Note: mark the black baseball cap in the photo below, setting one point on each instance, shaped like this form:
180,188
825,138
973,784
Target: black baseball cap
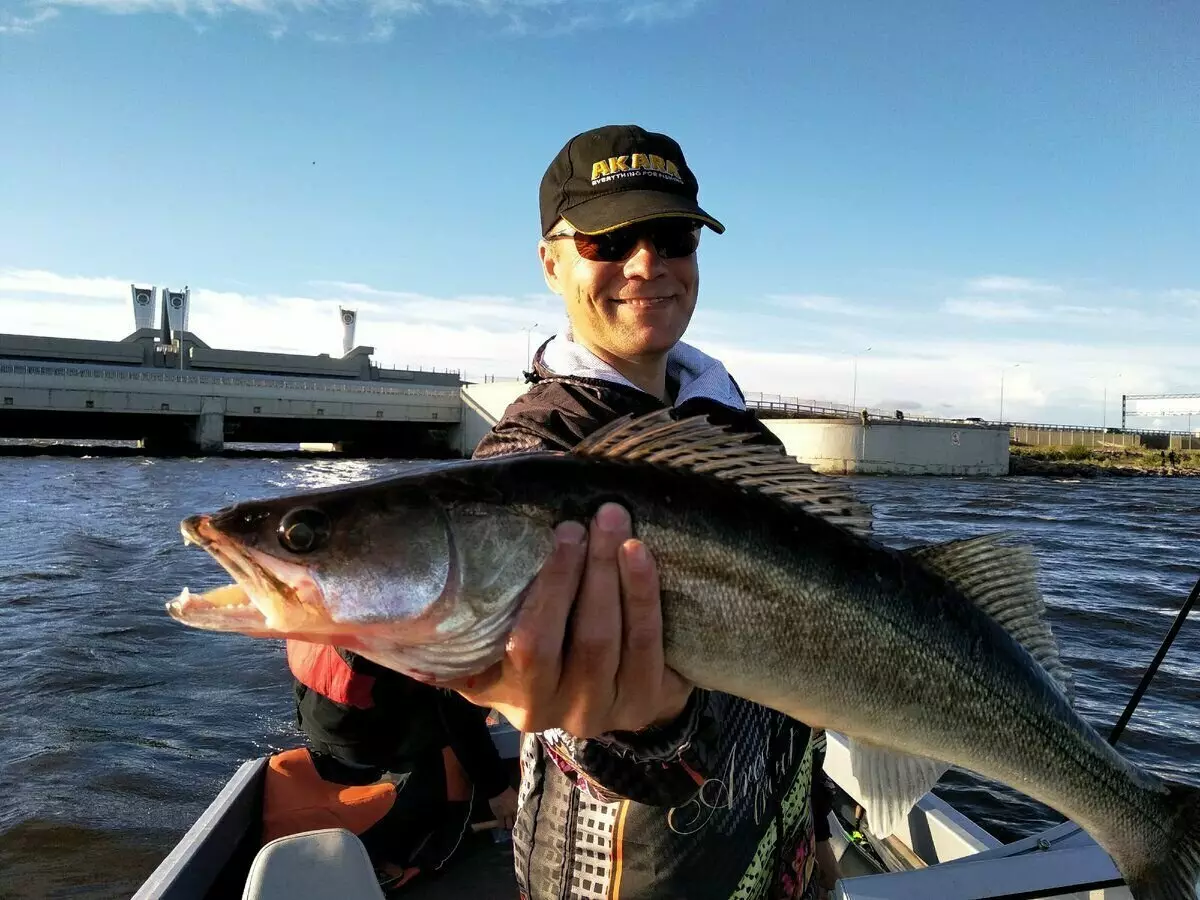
616,175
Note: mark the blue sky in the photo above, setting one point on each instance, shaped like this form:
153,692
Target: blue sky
965,188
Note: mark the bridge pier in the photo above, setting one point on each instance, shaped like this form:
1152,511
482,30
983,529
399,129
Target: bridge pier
187,436
209,432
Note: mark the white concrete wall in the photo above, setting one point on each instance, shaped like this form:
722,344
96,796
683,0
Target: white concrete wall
894,447
482,407
69,387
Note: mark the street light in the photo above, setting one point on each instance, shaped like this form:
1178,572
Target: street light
854,391
1004,369
1104,411
527,350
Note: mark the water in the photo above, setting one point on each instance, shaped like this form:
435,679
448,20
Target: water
118,725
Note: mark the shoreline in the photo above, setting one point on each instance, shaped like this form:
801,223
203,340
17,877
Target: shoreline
1060,463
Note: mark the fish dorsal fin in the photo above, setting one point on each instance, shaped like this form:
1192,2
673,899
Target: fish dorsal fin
1002,581
696,445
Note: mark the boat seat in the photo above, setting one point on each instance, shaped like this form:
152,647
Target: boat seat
329,862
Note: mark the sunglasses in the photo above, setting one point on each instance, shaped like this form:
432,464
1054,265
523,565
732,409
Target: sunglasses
672,239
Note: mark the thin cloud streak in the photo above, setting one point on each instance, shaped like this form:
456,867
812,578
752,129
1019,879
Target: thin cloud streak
37,281
377,20
14,24
992,310
1009,284
823,304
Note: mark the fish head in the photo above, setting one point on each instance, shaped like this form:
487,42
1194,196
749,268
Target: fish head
424,584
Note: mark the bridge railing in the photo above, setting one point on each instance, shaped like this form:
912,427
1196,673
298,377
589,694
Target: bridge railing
1093,428
780,403
818,408
189,377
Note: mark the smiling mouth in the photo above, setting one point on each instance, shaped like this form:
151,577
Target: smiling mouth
644,302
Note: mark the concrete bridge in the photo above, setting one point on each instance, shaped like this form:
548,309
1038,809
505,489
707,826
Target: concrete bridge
198,399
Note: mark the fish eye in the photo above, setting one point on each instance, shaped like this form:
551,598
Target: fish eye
304,530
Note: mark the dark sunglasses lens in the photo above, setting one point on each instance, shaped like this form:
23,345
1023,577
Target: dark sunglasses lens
675,241
611,247
671,241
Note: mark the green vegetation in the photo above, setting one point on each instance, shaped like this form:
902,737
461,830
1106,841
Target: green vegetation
1081,460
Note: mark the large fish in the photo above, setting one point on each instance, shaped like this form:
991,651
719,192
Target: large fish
769,575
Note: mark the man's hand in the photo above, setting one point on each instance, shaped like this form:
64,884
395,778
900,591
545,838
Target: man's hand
504,808
586,654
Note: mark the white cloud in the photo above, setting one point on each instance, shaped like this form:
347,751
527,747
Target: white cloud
821,303
659,10
36,281
405,328
995,310
1185,296
10,23
375,20
1011,285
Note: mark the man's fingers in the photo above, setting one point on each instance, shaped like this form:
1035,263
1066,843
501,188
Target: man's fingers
535,646
640,673
595,629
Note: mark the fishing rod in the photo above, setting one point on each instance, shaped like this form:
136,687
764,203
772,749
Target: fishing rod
1148,675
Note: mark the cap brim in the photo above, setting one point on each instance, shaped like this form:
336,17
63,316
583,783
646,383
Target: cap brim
621,208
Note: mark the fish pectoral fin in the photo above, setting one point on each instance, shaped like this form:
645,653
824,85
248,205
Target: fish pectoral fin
890,783
1001,580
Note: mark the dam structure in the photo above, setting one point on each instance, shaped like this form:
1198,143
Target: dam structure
165,388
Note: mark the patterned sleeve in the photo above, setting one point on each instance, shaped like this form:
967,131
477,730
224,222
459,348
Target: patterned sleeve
661,765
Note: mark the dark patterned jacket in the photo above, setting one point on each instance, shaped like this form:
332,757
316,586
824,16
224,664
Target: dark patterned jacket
691,809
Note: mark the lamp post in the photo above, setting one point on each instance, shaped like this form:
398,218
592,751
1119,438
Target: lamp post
1104,411
527,349
854,390
1003,370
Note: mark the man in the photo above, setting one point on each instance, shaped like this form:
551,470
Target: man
635,784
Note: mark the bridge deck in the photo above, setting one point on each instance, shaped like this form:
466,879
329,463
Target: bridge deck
54,399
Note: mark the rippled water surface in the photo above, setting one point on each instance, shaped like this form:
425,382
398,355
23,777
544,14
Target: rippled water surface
119,725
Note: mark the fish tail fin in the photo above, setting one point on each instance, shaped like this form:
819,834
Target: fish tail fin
1174,873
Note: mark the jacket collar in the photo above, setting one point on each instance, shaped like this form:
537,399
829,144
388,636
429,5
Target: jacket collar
697,373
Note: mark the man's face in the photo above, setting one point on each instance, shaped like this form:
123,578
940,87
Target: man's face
634,308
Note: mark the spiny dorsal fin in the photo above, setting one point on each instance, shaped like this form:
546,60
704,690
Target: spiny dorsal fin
696,445
1002,581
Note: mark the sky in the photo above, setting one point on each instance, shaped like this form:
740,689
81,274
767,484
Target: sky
932,206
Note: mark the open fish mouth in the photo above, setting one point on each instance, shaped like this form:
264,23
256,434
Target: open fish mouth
268,596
